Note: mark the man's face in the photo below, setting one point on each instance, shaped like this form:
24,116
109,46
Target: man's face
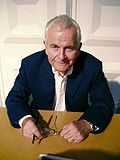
62,48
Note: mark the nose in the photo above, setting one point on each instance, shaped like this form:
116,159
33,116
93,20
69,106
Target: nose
62,55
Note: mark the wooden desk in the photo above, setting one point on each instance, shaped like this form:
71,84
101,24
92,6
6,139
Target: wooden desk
105,146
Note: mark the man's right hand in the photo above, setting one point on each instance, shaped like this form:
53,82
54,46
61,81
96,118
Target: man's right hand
29,128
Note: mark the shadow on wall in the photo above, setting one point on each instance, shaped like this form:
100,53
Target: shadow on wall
115,90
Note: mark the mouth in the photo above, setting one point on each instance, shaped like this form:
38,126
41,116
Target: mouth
62,63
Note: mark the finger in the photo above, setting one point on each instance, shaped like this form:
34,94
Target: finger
70,140
67,136
29,136
68,125
66,129
78,140
29,128
74,137
71,132
37,133
75,140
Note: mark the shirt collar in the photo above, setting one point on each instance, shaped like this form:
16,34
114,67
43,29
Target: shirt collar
70,70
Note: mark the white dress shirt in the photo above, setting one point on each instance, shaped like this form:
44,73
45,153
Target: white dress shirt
60,88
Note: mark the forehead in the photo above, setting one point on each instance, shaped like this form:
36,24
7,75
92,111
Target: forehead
57,34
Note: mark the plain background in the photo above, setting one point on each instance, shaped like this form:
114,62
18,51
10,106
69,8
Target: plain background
22,24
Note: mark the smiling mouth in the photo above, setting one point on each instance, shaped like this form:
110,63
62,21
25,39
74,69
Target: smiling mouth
62,63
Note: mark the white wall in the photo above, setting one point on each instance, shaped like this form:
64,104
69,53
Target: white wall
22,25
100,25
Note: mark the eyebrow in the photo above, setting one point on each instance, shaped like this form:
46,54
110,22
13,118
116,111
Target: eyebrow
69,46
53,45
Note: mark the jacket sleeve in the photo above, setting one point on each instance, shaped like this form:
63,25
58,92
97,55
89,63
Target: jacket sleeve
101,109
17,99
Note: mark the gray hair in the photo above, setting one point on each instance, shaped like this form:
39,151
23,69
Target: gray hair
64,22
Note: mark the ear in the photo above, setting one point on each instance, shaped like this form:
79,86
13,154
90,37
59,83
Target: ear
44,42
80,46
78,52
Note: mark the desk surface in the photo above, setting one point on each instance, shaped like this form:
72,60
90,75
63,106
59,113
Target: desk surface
105,146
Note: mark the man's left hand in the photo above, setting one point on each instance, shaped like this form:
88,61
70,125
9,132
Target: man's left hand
76,132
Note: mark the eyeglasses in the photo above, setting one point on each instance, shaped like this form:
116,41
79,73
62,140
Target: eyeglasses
47,131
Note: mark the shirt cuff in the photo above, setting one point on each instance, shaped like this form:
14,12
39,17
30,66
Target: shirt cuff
22,119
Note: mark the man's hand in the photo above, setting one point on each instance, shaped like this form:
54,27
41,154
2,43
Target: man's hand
29,128
76,132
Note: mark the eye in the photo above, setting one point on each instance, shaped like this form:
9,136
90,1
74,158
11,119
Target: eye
54,47
68,49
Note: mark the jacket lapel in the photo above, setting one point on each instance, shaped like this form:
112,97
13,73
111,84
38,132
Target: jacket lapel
73,84
47,79
74,80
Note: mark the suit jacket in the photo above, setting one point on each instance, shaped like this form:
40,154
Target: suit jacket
87,82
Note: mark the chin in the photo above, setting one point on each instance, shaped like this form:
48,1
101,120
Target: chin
60,69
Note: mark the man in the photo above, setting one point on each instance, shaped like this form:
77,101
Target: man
61,78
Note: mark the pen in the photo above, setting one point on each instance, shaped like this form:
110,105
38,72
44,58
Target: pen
33,138
36,122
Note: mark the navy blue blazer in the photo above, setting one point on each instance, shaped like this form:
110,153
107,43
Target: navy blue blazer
87,82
